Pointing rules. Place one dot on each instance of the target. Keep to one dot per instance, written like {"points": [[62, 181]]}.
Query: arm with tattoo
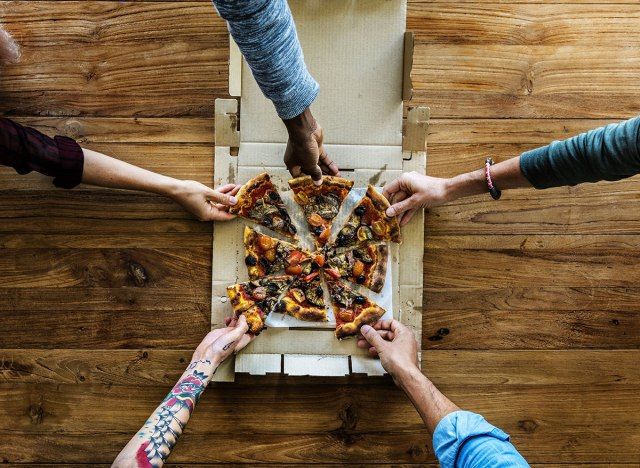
{"points": [[151, 446]]}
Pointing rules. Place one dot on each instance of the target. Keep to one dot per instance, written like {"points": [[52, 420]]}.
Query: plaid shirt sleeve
{"points": [[26, 149]]}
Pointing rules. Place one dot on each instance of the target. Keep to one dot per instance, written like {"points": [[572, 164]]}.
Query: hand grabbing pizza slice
{"points": [[259, 200], [305, 299], [351, 309], [365, 264], [369, 222], [320, 203], [266, 255], [256, 299]]}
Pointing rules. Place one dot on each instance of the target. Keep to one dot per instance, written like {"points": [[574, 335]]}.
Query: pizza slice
{"points": [[369, 221], [365, 264], [266, 255], [256, 299], [320, 203], [305, 299], [259, 200], [352, 310]]}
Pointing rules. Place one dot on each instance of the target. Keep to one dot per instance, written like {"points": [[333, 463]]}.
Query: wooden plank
{"points": [[524, 23], [162, 367], [95, 23], [542, 425], [157, 79], [514, 81]]}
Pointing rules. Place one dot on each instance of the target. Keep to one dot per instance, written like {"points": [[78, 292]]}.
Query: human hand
{"points": [[305, 153], [395, 345], [9, 49], [219, 344], [203, 202], [413, 191]]}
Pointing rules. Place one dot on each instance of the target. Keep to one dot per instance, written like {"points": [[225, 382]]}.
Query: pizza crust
{"points": [[382, 204]]}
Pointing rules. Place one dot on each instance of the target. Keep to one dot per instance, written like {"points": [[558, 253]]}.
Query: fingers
{"points": [[296, 171], [243, 342], [327, 165], [372, 336], [226, 188], [392, 187], [315, 172], [402, 206], [219, 197]]}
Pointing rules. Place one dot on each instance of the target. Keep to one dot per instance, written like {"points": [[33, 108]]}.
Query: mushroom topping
{"points": [[315, 295]]}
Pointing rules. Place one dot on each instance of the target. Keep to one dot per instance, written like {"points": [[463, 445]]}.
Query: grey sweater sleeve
{"points": [[266, 35], [607, 153]]}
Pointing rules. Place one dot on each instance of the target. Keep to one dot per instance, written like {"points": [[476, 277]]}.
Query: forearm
{"points": [[152, 445], [430, 403], [505, 175], [266, 35], [105, 171], [606, 153]]}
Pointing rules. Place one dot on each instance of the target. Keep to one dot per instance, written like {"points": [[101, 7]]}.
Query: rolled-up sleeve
{"points": [[266, 35], [466, 440], [26, 150]]}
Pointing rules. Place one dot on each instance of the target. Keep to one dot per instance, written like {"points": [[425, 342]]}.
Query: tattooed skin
{"points": [[165, 426]]}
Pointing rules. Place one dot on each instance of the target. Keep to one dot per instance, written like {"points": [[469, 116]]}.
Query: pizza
{"points": [[256, 299], [266, 255], [369, 222], [365, 264], [259, 200], [320, 203], [305, 299], [352, 310]]}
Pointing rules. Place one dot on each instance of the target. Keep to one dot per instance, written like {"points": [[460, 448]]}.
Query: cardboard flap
{"points": [[354, 49]]}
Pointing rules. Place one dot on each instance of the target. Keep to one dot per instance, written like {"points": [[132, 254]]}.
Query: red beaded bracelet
{"points": [[493, 190]]}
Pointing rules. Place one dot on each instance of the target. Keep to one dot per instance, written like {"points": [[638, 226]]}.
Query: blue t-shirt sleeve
{"points": [[466, 440], [266, 35]]}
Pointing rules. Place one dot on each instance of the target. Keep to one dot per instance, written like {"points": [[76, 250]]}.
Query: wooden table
{"points": [[532, 304]]}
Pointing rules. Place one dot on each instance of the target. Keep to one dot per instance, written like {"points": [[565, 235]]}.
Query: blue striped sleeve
{"points": [[466, 440], [266, 34]]}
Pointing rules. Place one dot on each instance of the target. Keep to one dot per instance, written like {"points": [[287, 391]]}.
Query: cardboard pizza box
{"points": [[360, 53]]}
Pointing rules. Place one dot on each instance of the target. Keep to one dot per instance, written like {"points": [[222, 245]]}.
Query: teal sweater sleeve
{"points": [[607, 153]]}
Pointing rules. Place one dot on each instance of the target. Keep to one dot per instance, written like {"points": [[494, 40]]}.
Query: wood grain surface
{"points": [[532, 304]]}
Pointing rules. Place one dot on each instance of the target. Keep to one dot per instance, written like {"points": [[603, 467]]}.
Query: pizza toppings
{"points": [[351, 309], [369, 222], [260, 201], [365, 264], [360, 255], [256, 299], [266, 255], [320, 204]]}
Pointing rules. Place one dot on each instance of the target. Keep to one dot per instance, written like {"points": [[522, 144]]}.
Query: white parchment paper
{"points": [[384, 299]]}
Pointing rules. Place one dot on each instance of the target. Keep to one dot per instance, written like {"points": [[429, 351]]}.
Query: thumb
{"points": [[402, 206], [223, 198], [315, 172], [372, 336]]}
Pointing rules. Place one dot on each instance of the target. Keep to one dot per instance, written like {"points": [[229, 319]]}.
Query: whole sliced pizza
{"points": [[368, 222], [352, 310], [266, 255], [320, 203], [305, 299], [365, 264], [260, 201], [256, 299]]}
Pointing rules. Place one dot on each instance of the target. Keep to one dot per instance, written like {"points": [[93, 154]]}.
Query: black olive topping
{"points": [[280, 306], [319, 291], [292, 229], [264, 262], [318, 230], [250, 260], [274, 196], [360, 210], [361, 279], [359, 299]]}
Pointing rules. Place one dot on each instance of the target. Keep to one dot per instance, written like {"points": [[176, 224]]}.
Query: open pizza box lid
{"points": [[360, 53]]}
